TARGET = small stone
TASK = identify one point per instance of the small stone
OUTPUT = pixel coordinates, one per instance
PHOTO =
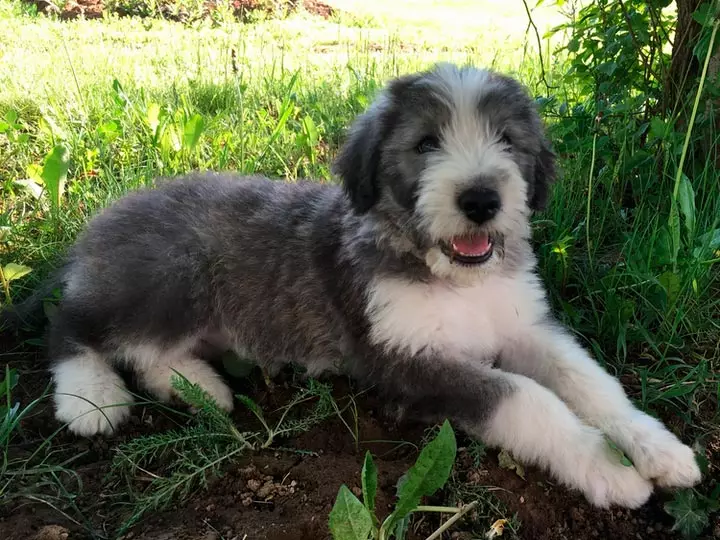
(246, 501)
(522, 500)
(254, 484)
(210, 508)
(265, 490)
(52, 532)
(357, 491)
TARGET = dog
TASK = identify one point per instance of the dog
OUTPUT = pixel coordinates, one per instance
(415, 275)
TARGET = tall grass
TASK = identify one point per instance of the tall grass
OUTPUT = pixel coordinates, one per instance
(131, 100)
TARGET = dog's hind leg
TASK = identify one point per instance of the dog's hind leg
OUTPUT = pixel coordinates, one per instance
(89, 395)
(155, 367)
(553, 357)
(517, 414)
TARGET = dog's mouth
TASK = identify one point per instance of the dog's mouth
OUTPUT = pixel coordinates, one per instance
(469, 250)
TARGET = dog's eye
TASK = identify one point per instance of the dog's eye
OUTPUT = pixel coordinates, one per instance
(506, 140)
(428, 144)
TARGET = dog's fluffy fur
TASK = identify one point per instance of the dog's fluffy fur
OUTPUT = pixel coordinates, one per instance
(368, 279)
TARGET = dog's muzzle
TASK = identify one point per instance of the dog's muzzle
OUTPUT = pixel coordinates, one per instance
(479, 205)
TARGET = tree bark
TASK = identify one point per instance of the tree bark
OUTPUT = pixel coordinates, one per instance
(685, 70)
(684, 67)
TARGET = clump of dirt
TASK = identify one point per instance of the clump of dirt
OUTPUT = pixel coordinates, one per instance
(52, 532)
(262, 488)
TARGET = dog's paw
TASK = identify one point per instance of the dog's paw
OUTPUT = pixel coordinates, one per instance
(212, 384)
(97, 410)
(221, 393)
(609, 482)
(659, 455)
(158, 379)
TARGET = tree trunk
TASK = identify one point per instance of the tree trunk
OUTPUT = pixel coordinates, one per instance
(685, 70)
(684, 67)
(713, 77)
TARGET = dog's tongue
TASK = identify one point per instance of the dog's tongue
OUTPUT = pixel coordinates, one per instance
(477, 245)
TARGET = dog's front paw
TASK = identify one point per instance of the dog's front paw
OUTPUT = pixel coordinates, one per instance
(222, 394)
(100, 410)
(609, 482)
(660, 456)
(213, 385)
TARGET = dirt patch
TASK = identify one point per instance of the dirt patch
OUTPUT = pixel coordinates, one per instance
(286, 493)
(174, 9)
(72, 9)
(321, 9)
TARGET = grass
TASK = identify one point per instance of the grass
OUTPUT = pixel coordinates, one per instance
(120, 99)
(91, 109)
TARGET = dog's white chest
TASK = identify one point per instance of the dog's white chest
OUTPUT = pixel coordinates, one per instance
(464, 323)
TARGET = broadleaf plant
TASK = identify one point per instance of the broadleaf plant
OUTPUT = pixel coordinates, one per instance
(352, 520)
(691, 512)
(369, 484)
(349, 518)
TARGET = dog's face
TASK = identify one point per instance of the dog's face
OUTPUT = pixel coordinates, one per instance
(453, 160)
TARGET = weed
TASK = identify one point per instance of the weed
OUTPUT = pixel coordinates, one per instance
(8, 411)
(460, 491)
(11, 272)
(42, 475)
(351, 519)
(181, 461)
(691, 511)
(477, 451)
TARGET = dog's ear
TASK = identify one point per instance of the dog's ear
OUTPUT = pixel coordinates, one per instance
(544, 174)
(358, 161)
(359, 158)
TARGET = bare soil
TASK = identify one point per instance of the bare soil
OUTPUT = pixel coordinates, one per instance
(287, 492)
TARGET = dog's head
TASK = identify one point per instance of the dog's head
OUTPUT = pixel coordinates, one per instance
(454, 160)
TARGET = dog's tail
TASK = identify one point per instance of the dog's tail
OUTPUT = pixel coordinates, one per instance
(31, 311)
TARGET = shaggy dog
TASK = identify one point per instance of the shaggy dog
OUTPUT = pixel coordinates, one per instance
(416, 276)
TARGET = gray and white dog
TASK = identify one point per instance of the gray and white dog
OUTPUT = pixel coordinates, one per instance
(416, 276)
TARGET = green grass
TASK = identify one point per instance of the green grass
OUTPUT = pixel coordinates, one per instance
(128, 100)
(274, 98)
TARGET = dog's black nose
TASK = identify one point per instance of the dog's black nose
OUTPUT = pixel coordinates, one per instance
(479, 204)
